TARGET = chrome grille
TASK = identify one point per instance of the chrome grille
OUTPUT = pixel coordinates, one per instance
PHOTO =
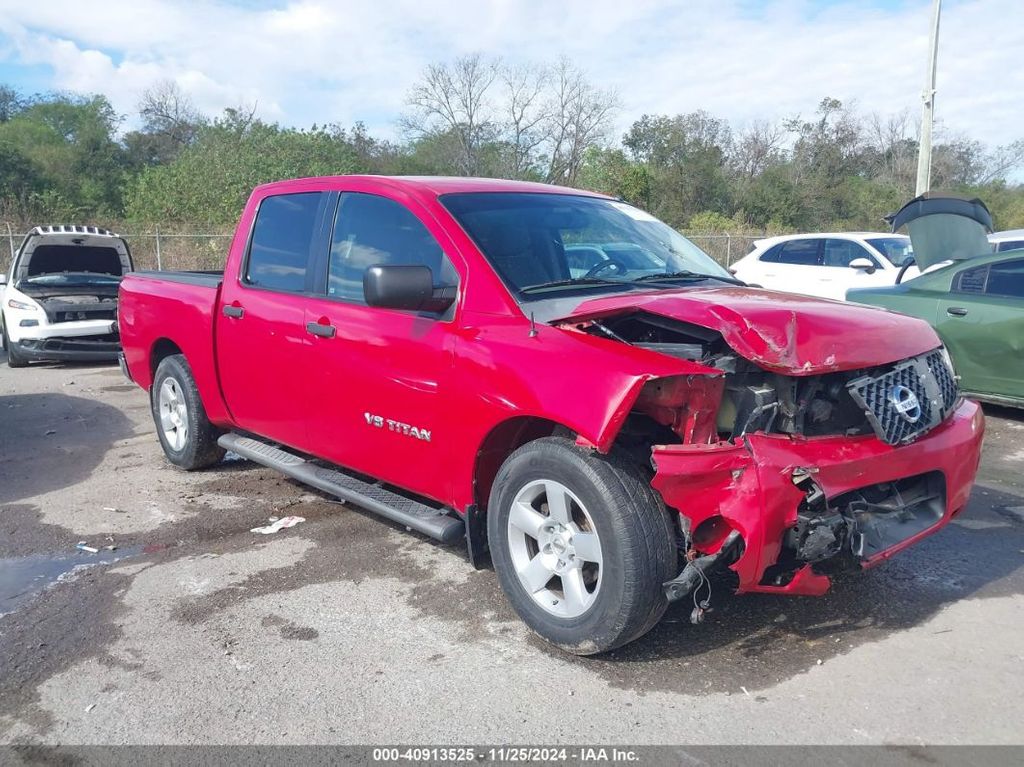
(889, 399)
(944, 378)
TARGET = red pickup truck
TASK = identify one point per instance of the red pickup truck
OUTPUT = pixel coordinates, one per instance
(562, 381)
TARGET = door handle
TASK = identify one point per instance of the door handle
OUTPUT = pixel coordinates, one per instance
(233, 311)
(956, 311)
(324, 331)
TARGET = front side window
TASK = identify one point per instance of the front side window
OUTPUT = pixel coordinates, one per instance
(282, 238)
(841, 252)
(1009, 245)
(540, 242)
(370, 230)
(897, 250)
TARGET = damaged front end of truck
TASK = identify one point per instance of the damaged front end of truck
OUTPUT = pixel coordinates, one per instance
(789, 454)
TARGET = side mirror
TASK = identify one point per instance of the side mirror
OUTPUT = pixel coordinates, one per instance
(863, 264)
(3, 279)
(405, 287)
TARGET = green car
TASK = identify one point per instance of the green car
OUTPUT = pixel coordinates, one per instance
(972, 297)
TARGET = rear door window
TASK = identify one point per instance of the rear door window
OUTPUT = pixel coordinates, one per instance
(797, 252)
(283, 238)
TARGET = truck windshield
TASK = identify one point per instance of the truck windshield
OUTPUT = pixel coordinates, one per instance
(550, 242)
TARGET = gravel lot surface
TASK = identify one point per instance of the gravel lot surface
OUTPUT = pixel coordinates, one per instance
(346, 629)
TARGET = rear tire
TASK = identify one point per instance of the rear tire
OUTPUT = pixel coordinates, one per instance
(14, 360)
(188, 438)
(595, 525)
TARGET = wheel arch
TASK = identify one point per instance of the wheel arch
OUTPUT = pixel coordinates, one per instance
(501, 441)
(162, 349)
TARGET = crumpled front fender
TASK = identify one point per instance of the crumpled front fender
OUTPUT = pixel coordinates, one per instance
(749, 484)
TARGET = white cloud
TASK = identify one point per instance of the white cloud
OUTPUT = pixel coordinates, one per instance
(321, 61)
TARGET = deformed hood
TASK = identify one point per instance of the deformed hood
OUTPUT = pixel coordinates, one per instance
(782, 332)
(944, 228)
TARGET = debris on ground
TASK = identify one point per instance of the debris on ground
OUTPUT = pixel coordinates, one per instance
(84, 546)
(279, 524)
(90, 707)
(50, 432)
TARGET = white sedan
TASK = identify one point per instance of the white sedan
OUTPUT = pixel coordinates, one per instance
(827, 264)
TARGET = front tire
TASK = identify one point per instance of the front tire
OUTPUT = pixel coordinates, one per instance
(581, 544)
(14, 360)
(188, 438)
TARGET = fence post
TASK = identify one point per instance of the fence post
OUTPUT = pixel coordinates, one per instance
(159, 264)
(728, 249)
(10, 239)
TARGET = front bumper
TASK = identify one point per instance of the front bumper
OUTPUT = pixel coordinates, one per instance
(74, 349)
(748, 486)
(59, 330)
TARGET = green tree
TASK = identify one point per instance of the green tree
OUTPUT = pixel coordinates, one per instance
(208, 183)
(66, 159)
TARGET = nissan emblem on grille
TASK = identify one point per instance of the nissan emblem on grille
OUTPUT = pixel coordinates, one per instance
(908, 399)
(905, 402)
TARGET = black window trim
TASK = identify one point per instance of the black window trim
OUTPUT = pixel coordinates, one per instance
(316, 245)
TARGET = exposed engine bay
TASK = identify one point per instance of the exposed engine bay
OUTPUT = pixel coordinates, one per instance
(749, 399)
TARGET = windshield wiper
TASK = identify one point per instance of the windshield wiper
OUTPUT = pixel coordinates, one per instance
(687, 275)
(572, 281)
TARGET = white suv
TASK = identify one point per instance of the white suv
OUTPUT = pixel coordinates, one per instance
(827, 264)
(59, 299)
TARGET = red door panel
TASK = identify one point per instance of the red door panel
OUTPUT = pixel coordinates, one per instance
(264, 365)
(378, 394)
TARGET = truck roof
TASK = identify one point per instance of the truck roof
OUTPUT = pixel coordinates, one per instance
(438, 185)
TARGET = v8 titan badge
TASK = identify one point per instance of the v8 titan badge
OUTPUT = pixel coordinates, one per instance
(397, 426)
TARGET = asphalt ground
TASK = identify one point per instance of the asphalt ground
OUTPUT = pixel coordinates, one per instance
(347, 629)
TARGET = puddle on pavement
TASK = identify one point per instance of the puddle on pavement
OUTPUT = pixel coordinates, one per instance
(23, 578)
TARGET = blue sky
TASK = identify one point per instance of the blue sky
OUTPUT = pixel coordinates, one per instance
(322, 61)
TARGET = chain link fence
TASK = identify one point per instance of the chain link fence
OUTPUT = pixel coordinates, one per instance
(178, 251)
(725, 248)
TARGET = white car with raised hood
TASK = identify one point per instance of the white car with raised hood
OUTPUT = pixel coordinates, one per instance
(58, 301)
(827, 264)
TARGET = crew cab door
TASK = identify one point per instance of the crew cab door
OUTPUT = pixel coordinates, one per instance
(383, 376)
(261, 339)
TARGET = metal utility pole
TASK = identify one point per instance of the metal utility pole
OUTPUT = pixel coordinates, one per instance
(924, 152)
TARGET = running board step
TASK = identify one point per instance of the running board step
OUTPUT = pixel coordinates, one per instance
(436, 523)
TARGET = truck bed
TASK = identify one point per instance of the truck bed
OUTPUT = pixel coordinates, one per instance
(151, 304)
